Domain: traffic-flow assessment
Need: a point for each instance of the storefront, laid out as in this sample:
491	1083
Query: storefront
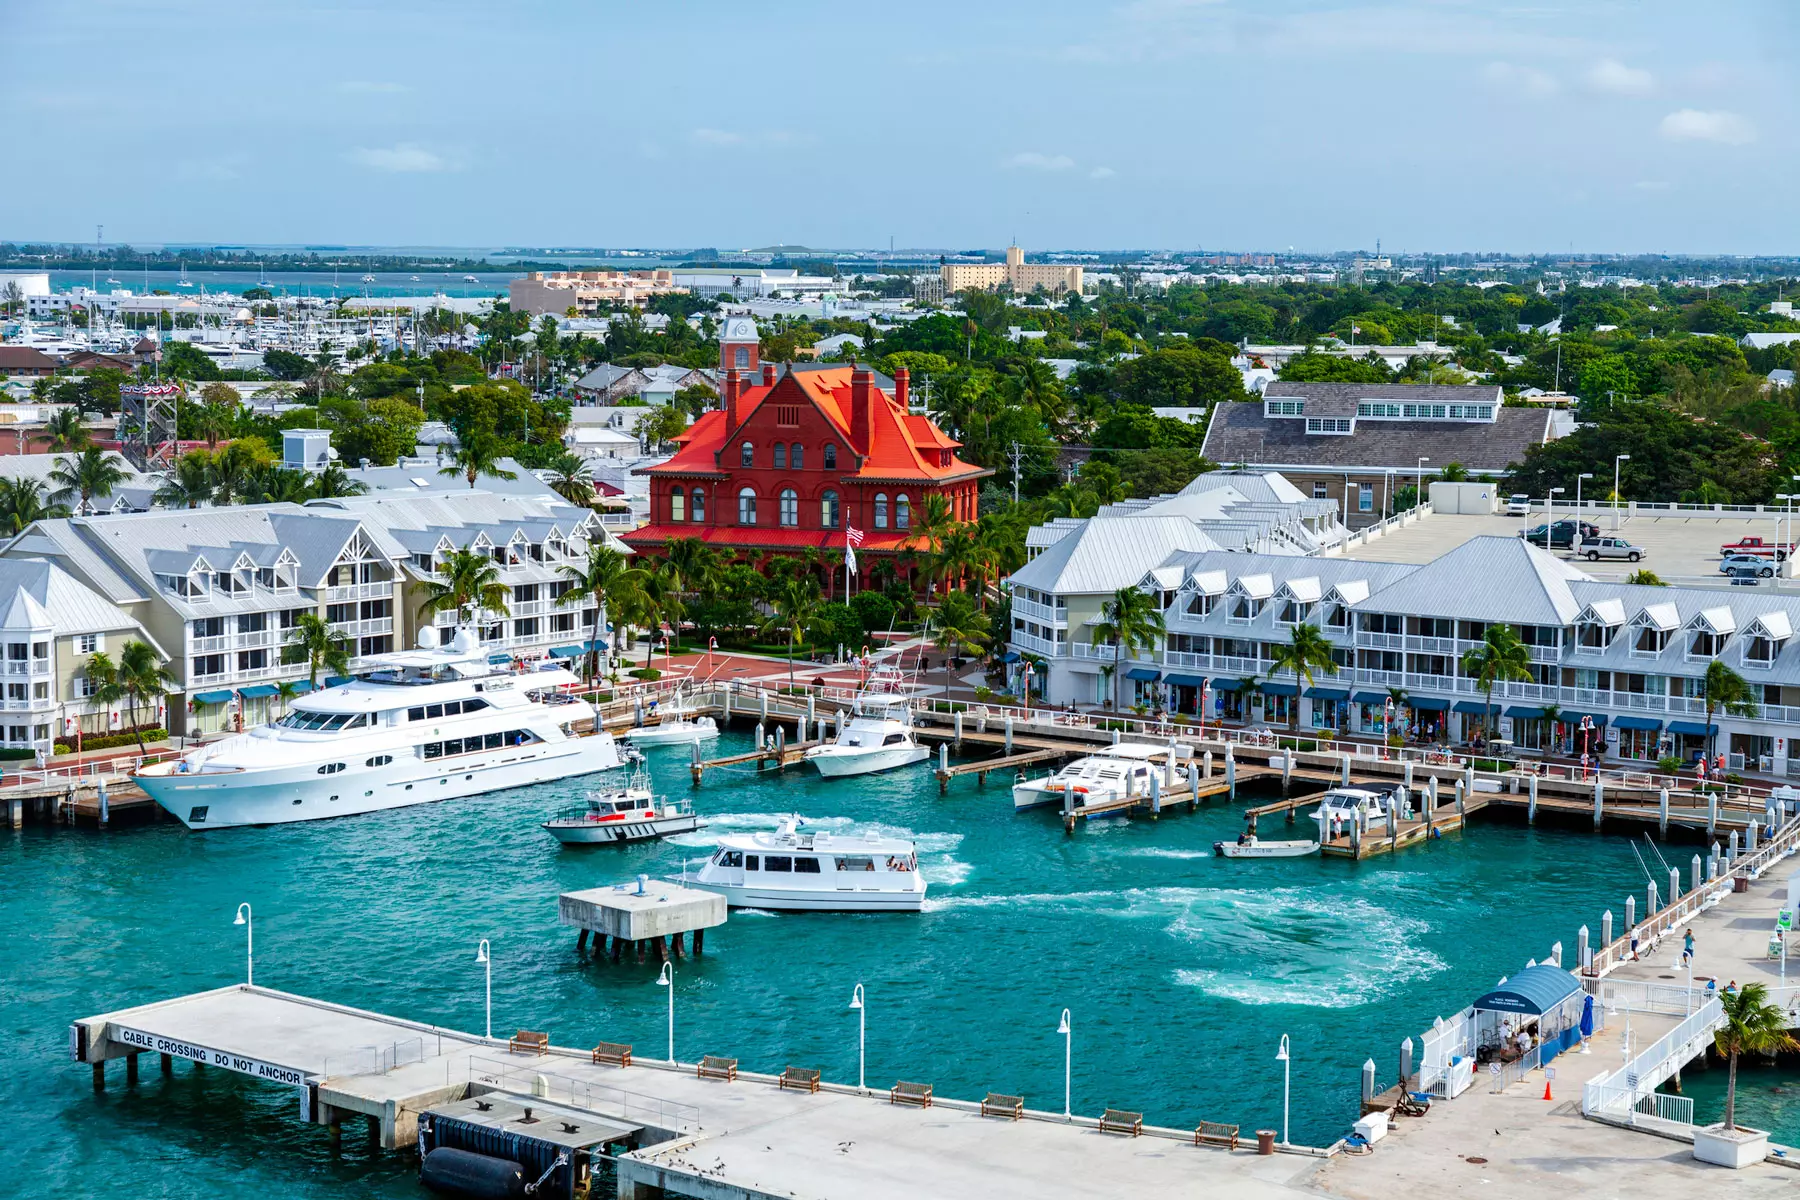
1638	738
1279	701
1330	708
1228	700
1471	715
1373	711
1530	731
212	711
1584	733
1430	718
1691	738
1185	692
1145	690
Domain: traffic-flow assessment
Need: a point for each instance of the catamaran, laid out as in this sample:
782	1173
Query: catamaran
414	726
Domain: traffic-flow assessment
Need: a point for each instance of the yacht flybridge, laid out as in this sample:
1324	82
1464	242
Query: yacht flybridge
879	737
414	726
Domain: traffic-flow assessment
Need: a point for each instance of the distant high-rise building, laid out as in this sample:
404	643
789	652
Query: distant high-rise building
1022	277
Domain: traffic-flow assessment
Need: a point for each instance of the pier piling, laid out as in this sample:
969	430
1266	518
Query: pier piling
1584	954
1009	727
956	721
1230	773
1630	912
1531	803
131	1068
1712	813
1697	875
166	1063
1287	772
1662	812
1599	800
1674	884
1606	926
1344	771
1206	765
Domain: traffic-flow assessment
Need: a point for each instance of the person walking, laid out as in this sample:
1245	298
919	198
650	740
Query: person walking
1687	948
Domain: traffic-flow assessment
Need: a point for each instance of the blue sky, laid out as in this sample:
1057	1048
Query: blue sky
1430	124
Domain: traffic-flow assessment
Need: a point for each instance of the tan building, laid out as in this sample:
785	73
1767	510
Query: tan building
1022	277
588	292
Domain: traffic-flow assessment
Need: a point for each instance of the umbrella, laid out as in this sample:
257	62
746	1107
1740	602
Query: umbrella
1587	1016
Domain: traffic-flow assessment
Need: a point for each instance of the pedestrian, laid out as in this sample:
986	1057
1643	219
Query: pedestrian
1584	764
1687	948
1634	945
1731	988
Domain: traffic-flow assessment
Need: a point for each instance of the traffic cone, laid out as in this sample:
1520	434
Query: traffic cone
1546	1087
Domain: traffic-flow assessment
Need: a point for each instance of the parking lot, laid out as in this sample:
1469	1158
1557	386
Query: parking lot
1680	549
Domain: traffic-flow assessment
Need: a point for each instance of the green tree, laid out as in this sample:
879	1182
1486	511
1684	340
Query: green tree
189	482
1500	658
481	456
957	625
661	425
874	612
1753	1025
143	678
1130	621
64	430
1179	375
605	575
334	482
1724	690
1312	367
22	503
467	580
570	479
86	475
1645	577
312	640
795	603
1306	653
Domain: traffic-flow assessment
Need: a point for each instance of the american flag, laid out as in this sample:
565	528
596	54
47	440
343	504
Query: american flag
853	535
852	538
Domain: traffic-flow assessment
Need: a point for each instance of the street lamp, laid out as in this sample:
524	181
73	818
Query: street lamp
1550	517
1067	1029
862	1037
1617	459
1578	479
667	979
485	959
244	919
1419	483
1287	1070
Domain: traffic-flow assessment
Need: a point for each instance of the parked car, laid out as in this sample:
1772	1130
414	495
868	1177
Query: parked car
1611	547
1757	548
1561	534
1732	564
1518	505
1744	577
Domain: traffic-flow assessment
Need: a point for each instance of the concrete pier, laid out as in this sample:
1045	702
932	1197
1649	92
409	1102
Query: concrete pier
659	916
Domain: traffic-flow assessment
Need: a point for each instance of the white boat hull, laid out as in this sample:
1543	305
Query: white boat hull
685	734
1265	849
805	900
602	833
1034	795
834	762
216	800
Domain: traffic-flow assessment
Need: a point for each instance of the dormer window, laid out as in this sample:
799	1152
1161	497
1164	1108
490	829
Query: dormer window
1338	617
1201	604
1295	611
1650	641
1284	408
1246	608
1761	651
1331	425
1591	635
1703	643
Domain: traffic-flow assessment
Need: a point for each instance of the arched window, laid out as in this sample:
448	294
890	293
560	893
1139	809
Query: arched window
780	456
747	506
677	505
881	510
798	461
790	507
830	456
828	510
747	457
699	512
902	512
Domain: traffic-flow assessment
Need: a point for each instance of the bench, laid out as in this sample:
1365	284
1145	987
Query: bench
1117	1120
999	1105
526	1040
800	1079
612	1054
910	1093
713	1067
1211	1133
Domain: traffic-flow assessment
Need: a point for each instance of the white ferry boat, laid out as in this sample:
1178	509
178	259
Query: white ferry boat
418	725
627	814
878	737
795	870
1107	775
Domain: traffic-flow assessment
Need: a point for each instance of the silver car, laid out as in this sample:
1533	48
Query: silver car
1610	547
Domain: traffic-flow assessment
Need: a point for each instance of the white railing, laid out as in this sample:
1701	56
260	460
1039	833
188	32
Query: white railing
374	1060
1618	1093
533	1080
1038	612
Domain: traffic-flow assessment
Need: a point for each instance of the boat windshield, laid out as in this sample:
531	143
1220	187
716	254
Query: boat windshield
318	722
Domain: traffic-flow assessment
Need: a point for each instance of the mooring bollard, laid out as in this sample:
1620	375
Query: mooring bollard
1460	799
1531	803
1407	771
1750	837
1344	771
1155	794
1584	955
1674	884
1697	876
1406	1065
1662	811
1651	900
944	759
1193	782
956	720
1606	924
1206	765
1712	813
1368	1081
1631	912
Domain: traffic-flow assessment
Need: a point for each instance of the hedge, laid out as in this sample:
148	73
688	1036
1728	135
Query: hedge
648	673
107	741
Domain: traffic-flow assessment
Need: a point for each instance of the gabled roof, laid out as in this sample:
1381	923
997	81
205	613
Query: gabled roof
1663	617
1719	620
1774	625
1610	611
1306	589
47	597
1109	553
1351	591
1490	578
1257	587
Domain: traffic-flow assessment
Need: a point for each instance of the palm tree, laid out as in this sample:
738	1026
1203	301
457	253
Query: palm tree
22	503
1130	620
274	485
1752	1026
189	481
481	456
467	580
1500	658
142	677
287	689
1725	690
795	604
313	638
958	556
570	478
334	481
931	519
105	688
1401	701
957	624
235	469
1454	472
65	431
1552	714
87	474
1307	651
603	576
1645	577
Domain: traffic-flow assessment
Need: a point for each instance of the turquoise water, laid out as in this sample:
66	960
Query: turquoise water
1768	1097
1182	971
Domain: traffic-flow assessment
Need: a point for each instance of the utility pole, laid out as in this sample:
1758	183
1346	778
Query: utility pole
1018	454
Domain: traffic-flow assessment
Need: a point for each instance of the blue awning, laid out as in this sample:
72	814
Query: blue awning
1573	719
1472	707
1192	681
1227	685
1279	689
212	697
1524	712
257	689
566	651
302	686
1533	991
1427	703
1011	656
1371	697
1143	674
1692	728
1320	693
336	680
1636	723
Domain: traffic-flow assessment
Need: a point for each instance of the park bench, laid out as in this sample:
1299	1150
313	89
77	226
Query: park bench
1211	1133
998	1104
1117	1120
910	1093
713	1067
527	1041
612	1054
800	1079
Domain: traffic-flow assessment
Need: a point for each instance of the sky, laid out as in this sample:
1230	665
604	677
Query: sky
1432	125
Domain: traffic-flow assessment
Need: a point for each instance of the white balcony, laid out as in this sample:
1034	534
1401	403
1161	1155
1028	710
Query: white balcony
1035	645
357	591
209	645
1184	658
1381	641
374	627
1031	610
28	666
530	608
1432	645
1377	678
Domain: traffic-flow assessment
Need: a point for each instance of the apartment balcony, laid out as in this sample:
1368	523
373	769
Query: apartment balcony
28	666
1381	679
1238	668
1381	641
21	706
1544	654
357	591
1187	659
1432	645
531	608
1036	645
361	629
1031	610
254	641
209	645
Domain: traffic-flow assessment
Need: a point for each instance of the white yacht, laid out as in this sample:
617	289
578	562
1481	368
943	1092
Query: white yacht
795	870
415	726
627	814
1106	775
878	737
674	727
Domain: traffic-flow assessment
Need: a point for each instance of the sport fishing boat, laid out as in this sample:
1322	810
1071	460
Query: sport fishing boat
673	728
628	814
413	726
795	870
1108	775
1343	804
1254	847
878	737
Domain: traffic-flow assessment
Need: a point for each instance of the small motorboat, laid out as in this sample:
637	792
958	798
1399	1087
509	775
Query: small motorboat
673	728
629	814
1256	848
879	737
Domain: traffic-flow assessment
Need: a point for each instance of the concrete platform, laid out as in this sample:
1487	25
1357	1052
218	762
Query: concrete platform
664	910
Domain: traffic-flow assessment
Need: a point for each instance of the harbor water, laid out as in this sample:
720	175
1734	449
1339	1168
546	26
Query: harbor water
1181	970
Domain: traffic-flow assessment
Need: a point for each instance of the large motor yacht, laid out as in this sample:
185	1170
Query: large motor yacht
793	869
878	737
1108	775
414	726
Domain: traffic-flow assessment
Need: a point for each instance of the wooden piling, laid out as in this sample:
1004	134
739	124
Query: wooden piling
131	1068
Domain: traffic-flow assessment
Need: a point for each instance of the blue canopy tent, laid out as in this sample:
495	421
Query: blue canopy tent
1543	996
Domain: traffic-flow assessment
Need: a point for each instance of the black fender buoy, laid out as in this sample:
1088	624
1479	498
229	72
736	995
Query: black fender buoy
480	1176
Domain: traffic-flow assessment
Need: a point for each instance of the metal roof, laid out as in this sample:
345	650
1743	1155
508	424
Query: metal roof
1533	991
1109	553
1493	579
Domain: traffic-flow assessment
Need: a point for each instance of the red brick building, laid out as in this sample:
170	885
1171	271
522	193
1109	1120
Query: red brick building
794	455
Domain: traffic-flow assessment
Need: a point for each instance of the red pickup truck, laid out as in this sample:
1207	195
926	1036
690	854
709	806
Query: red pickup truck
1756	547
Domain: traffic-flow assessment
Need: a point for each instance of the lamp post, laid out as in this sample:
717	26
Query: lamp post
1550	519
1419	483
1617	459
667	979
1067	1029
862	1037
1287	1069
485	958
244	918
1578	479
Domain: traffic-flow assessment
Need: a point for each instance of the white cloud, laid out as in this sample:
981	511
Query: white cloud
1696	125
718	137
1031	160
1611	75
403	157
1527	81
1102	173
